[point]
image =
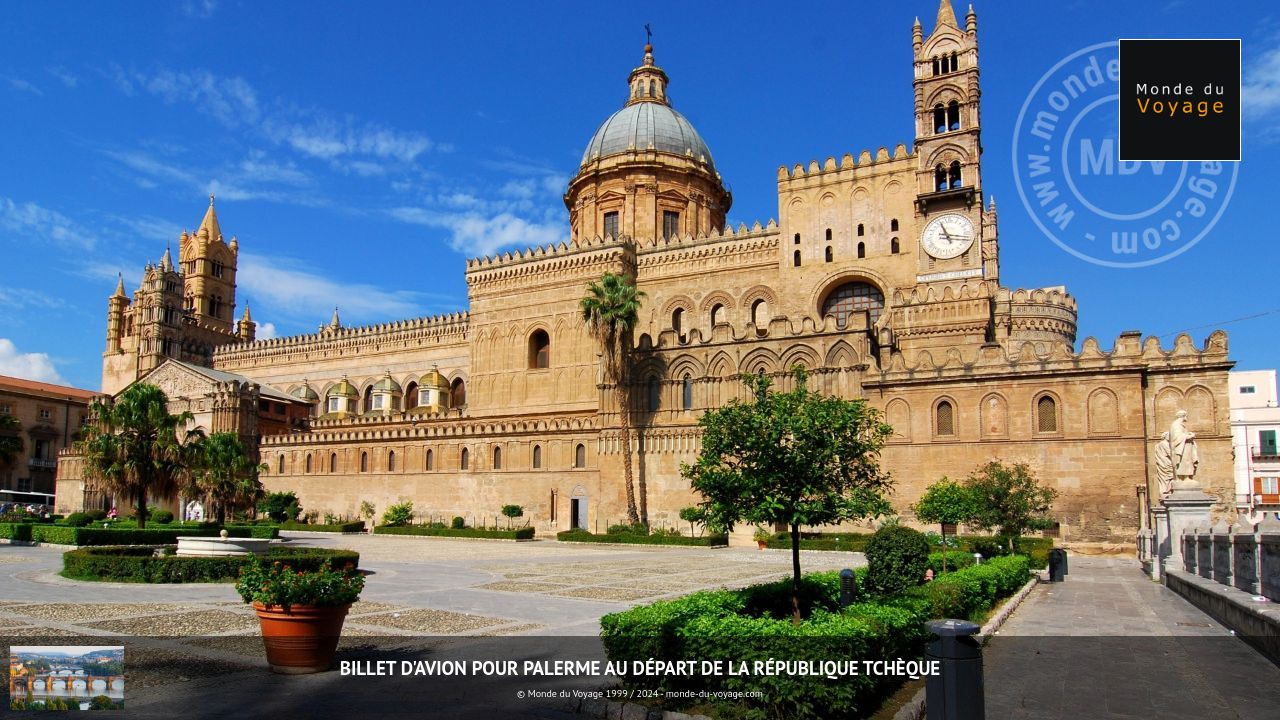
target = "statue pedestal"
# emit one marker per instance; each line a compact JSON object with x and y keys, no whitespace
{"x":1186,"y":507}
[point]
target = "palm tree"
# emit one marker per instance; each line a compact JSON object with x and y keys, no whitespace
{"x":133,"y":446}
{"x":611,"y":310}
{"x":10,"y":440}
{"x":227,"y":474}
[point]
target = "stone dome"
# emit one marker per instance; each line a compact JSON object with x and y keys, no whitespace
{"x":648,"y":126}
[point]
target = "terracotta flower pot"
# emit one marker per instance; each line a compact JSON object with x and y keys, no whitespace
{"x":302,"y":640}
{"x":763,"y":544}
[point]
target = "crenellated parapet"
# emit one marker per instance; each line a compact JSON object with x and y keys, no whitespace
{"x":551,"y":262}
{"x":847,"y":169}
{"x":993,"y":360}
{"x":728,"y":248}
{"x":1040,"y":315}
{"x":448,"y":328}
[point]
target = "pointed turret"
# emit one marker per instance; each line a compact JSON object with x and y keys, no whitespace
{"x":917,"y":35}
{"x":234,"y":245}
{"x":119,"y":293}
{"x":166,"y":261}
{"x":946,"y":16}
{"x":247,"y":328}
{"x":209,"y":225}
{"x":971,"y":21}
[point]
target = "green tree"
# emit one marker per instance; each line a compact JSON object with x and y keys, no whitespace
{"x":611,"y":310}
{"x":694,"y":516}
{"x":227,"y":474}
{"x":10,"y":440}
{"x":796,"y":458}
{"x":946,"y":502}
{"x":1009,"y":499}
{"x":137,"y":448}
{"x":280,"y":506}
{"x":512,"y":512}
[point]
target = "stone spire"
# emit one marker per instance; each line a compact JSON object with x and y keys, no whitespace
{"x":971,"y":21}
{"x":648,"y":82}
{"x":335,"y":322}
{"x":234,"y":245}
{"x":166,"y":261}
{"x":946,"y":16}
{"x":917,"y":35}
{"x":247,"y":327}
{"x":119,"y":286}
{"x":209,"y":225}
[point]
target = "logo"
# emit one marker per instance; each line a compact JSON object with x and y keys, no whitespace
{"x":1070,"y":178}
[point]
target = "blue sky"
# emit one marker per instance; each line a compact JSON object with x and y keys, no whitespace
{"x":361,"y":156}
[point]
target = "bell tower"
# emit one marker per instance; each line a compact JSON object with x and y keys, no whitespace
{"x":949,"y":148}
{"x":209,"y":273}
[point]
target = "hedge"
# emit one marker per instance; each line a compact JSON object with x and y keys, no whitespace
{"x":84,"y":536}
{"x":141,"y":564}
{"x":1036,"y":548}
{"x":754,"y":624}
{"x":524,"y":533}
{"x":970,"y":592}
{"x":638,"y":539}
{"x":354,"y":526}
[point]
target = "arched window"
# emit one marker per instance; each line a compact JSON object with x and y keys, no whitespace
{"x":718,"y":315}
{"x":862,"y":250}
{"x":939,"y":119}
{"x":364,"y":462}
{"x":537,"y":457}
{"x":953,"y":115}
{"x":429,"y":460}
{"x":795,"y":259}
{"x":953,"y":175}
{"x":497,"y":458}
{"x":391,"y":461}
{"x":333,"y":462}
{"x":1046,"y":414}
{"x":935,"y":66}
{"x":368,"y":399}
{"x":677,"y":320}
{"x":465,"y":461}
{"x":797,"y":242}
{"x":830,"y":255}
{"x":280,"y":466}
{"x":652,"y":89}
{"x":939,"y":178}
{"x":539,"y":350}
{"x":655,"y":394}
{"x":308,"y":462}
{"x":828,"y":234}
{"x":893,"y":225}
{"x":411,"y":396}
{"x":853,"y":297}
{"x":457,"y":393}
{"x":945,"y":421}
{"x":686,"y":393}
{"x":760,"y":313}
{"x":861,"y":230}
{"x":580,"y":456}
{"x":894,"y":248}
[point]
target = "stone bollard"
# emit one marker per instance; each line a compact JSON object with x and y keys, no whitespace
{"x":1057,"y":565}
{"x":956,"y":693}
{"x":1189,"y":550}
{"x":1244,"y":556}
{"x":1220,"y":544}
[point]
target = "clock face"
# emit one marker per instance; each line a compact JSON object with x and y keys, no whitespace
{"x":947,"y":236}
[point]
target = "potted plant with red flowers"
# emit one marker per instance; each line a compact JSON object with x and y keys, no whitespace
{"x":301,"y":612}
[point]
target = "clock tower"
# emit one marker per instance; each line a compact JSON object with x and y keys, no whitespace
{"x":956,"y":238}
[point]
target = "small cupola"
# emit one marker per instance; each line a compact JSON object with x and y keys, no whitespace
{"x":648,"y":82}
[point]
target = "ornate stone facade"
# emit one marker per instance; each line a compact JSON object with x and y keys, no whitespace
{"x":881,"y":276}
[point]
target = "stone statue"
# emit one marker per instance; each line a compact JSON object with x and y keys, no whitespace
{"x":195,"y":511}
{"x":1164,"y":466}
{"x":1182,"y":448}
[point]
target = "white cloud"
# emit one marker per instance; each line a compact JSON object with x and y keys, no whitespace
{"x":13,"y":299}
{"x":63,"y":75}
{"x":28,"y":221}
{"x":149,"y":227}
{"x":328,"y":139}
{"x":1261,"y":86}
{"x":231,"y":101}
{"x":30,"y":366}
{"x":24,"y":85}
{"x":202,"y":9}
{"x":475,"y":234}
{"x":266,"y":331}
{"x":250,"y":179}
{"x":288,"y":287}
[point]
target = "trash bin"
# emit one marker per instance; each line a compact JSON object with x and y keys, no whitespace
{"x":956,"y":692}
{"x":1057,"y":565}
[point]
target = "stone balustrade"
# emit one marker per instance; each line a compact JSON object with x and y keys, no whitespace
{"x":1243,"y":555}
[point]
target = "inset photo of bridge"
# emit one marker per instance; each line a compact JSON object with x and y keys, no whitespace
{"x":66,"y":677}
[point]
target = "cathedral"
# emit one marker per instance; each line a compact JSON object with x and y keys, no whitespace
{"x":881,"y":276}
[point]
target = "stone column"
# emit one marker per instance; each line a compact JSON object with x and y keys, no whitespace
{"x":1186,"y":507}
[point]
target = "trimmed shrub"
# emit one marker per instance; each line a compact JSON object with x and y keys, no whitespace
{"x":897,"y":557}
{"x":970,"y":592}
{"x":458,"y":523}
{"x":20,"y":532}
{"x":164,"y":517}
{"x":62,"y":535}
{"x":629,"y":529}
{"x":636,"y":539}
{"x":353,"y":526}
{"x":398,"y":514}
{"x":956,"y":559}
{"x":280,"y":506}
{"x":96,"y":515}
{"x":143,"y":564}
{"x":842,"y":542}
{"x":77,"y":520}
{"x":524,"y":533}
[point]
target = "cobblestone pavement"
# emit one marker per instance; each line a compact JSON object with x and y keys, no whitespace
{"x":421,"y":595}
{"x":1109,"y":643}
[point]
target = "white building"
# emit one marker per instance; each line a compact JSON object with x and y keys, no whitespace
{"x":1255,"y":425}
